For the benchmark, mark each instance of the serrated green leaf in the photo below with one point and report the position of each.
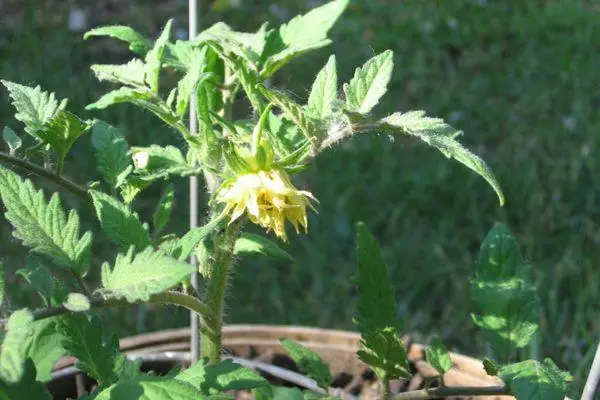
(121, 225)
(82, 338)
(34, 107)
(179, 55)
(277, 393)
(195, 374)
(228, 375)
(13, 140)
(300, 35)
(26, 338)
(244, 71)
(187, 85)
(532, 380)
(150, 388)
(324, 91)
(381, 344)
(376, 303)
(293, 111)
(162, 214)
(62, 131)
(369, 83)
(26, 388)
(438, 356)
(136, 278)
(156, 162)
(44, 347)
(181, 249)
(507, 307)
(249, 243)
(112, 154)
(121, 95)
(383, 350)
(137, 42)
(313, 26)
(435, 132)
(14, 347)
(245, 46)
(275, 62)
(155, 56)
(76, 302)
(44, 226)
(308, 362)
(131, 74)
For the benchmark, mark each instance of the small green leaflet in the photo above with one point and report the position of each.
(131, 74)
(150, 388)
(136, 278)
(44, 347)
(293, 111)
(381, 344)
(13, 141)
(26, 388)
(76, 302)
(308, 362)
(532, 380)
(34, 107)
(112, 154)
(507, 307)
(137, 43)
(157, 162)
(324, 91)
(155, 56)
(438, 356)
(82, 338)
(277, 393)
(121, 95)
(186, 86)
(376, 303)
(435, 132)
(181, 249)
(14, 347)
(162, 214)
(62, 131)
(300, 35)
(384, 351)
(44, 226)
(245, 46)
(26, 338)
(249, 243)
(121, 225)
(217, 378)
(369, 83)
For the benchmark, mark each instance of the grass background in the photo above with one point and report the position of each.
(519, 77)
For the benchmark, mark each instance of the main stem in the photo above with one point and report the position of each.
(210, 346)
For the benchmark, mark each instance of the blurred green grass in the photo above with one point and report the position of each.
(520, 78)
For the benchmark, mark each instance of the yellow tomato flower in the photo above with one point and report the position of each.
(268, 198)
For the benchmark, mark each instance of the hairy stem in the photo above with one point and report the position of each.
(449, 391)
(215, 291)
(169, 297)
(51, 176)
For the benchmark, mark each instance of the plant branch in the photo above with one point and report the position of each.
(36, 169)
(449, 391)
(169, 297)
